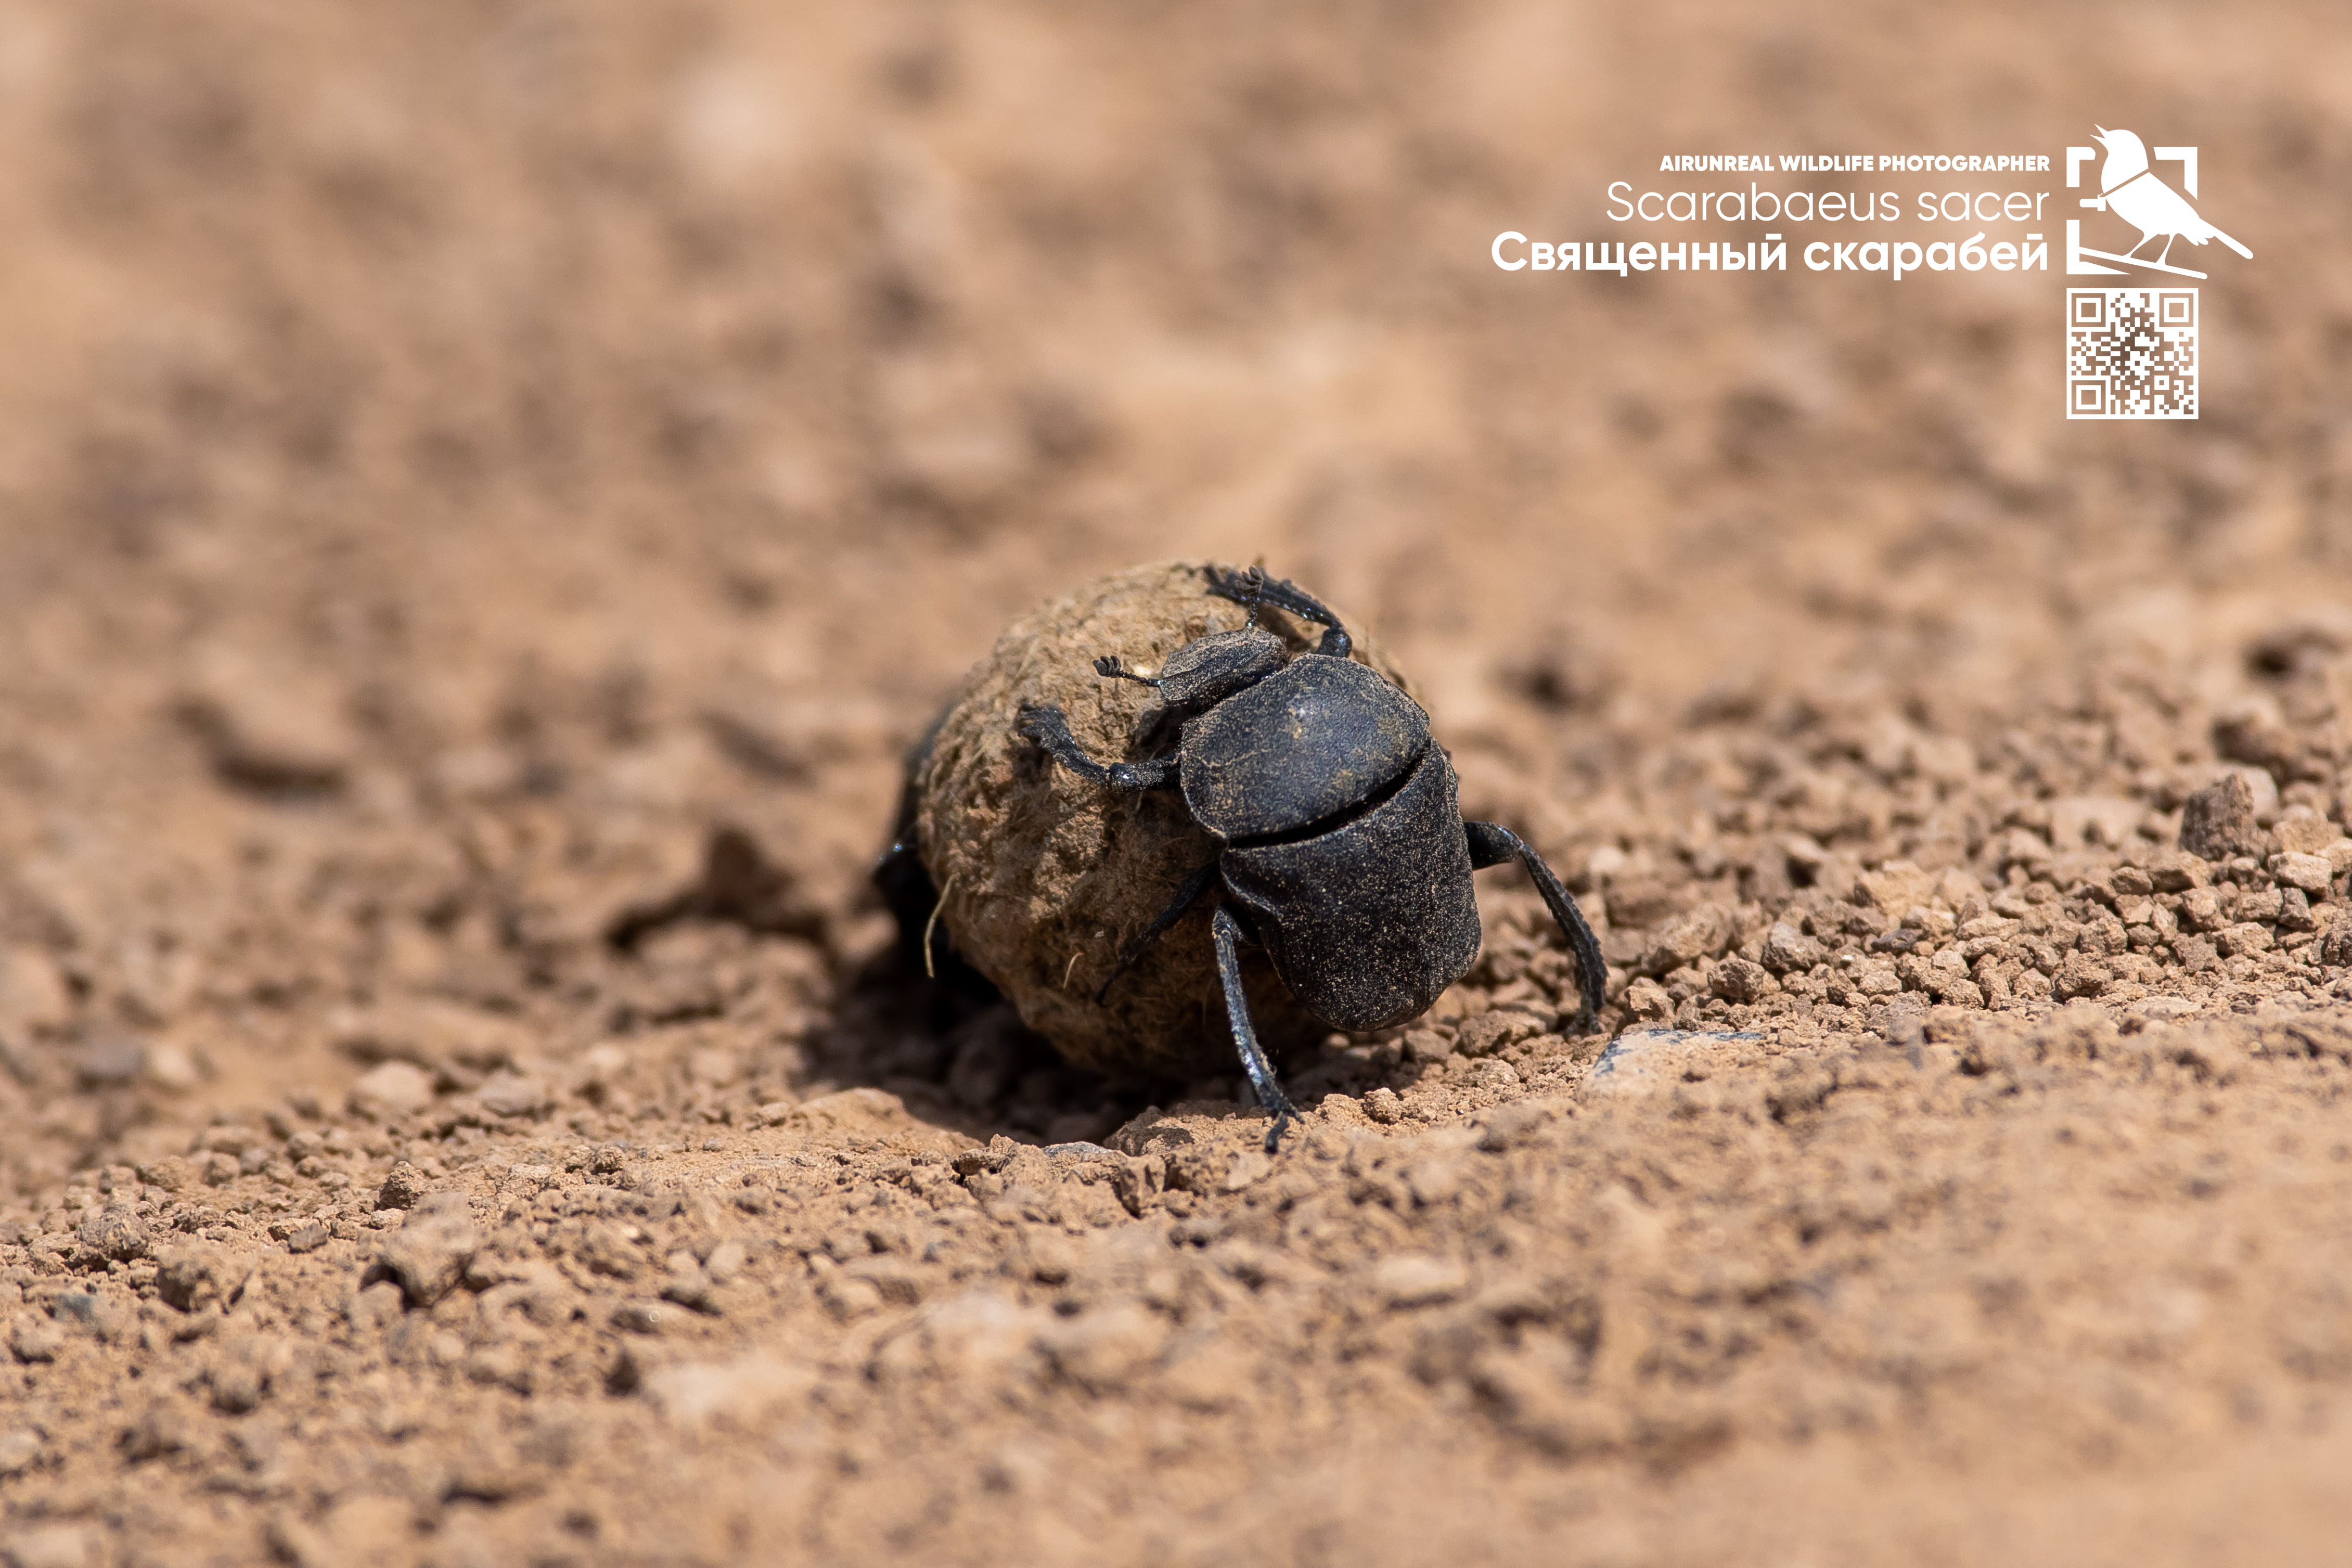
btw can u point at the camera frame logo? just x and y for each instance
(2132, 353)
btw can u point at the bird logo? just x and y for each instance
(2132, 190)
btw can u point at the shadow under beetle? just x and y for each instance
(1345, 854)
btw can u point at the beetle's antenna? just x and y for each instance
(1110, 668)
(932, 924)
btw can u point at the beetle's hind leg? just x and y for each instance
(1050, 730)
(1277, 1104)
(1491, 844)
(1253, 587)
(1186, 896)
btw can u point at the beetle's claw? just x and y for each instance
(1274, 1133)
(1110, 668)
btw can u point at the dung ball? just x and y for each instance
(1047, 878)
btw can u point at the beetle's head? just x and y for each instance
(1206, 671)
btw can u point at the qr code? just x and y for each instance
(2131, 353)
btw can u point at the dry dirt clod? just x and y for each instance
(689, 1285)
(644, 1317)
(1491, 1032)
(726, 1260)
(2079, 976)
(192, 1278)
(1416, 1279)
(49, 1546)
(1787, 949)
(33, 1339)
(114, 1232)
(404, 1188)
(512, 1094)
(426, 1257)
(1701, 932)
(2219, 822)
(1647, 1002)
(392, 1090)
(20, 1449)
(2309, 873)
(1738, 980)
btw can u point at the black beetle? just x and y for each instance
(1345, 852)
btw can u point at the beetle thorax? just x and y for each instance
(1316, 741)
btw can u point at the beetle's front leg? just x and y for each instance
(1491, 844)
(1228, 933)
(1050, 730)
(1253, 587)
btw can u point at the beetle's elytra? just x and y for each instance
(1340, 849)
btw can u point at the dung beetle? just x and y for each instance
(1344, 852)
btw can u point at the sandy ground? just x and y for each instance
(488, 493)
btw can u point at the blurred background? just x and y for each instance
(452, 454)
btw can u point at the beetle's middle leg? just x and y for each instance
(1491, 844)
(1049, 728)
(1187, 895)
(1277, 1104)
